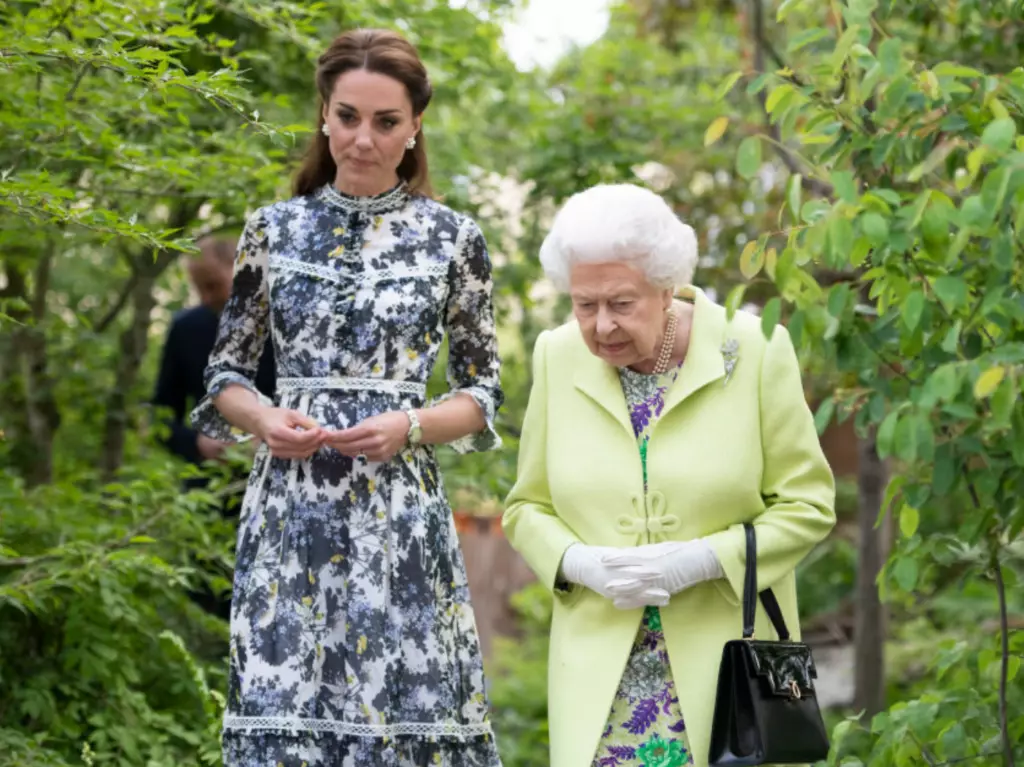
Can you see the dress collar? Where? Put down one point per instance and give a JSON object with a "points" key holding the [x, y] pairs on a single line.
{"points": [[388, 201]]}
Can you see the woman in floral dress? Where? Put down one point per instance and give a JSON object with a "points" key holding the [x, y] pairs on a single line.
{"points": [[657, 426], [352, 637]]}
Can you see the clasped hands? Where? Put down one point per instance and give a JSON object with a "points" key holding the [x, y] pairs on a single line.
{"points": [[643, 576], [291, 434]]}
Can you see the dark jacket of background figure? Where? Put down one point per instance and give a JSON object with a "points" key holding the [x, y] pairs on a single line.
{"points": [[180, 384]]}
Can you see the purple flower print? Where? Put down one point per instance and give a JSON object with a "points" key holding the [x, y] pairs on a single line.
{"points": [[644, 715]]}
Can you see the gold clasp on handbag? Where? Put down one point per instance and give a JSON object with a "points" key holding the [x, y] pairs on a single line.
{"points": [[794, 689]]}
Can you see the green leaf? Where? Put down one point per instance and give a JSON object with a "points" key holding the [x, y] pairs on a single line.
{"points": [[748, 157], [890, 54], [952, 340], [935, 225], [786, 7], [770, 316], [727, 85], [752, 259], [999, 134], [953, 69], [891, 491], [715, 130], [988, 381], [843, 46], [840, 238], [905, 440], [795, 326], [807, 37], [814, 210], [944, 383], [823, 417], [838, 297], [860, 253], [875, 228], [952, 291], [794, 195], [943, 471], [925, 439], [776, 96], [885, 440], [1002, 404], [905, 571], [843, 183], [913, 308], [734, 300], [909, 520]]}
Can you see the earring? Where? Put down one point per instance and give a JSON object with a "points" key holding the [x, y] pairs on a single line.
{"points": [[325, 130], [411, 143]]}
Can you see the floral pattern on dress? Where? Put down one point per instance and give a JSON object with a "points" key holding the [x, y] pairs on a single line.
{"points": [[645, 727], [353, 641]]}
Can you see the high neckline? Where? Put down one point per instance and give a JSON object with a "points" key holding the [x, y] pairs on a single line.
{"points": [[385, 202]]}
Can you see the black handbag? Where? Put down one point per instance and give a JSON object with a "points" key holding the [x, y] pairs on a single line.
{"points": [[766, 711]]}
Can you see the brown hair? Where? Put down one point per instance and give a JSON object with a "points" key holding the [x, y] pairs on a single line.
{"points": [[383, 52], [220, 247]]}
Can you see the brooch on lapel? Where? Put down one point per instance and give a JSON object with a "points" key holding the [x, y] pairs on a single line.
{"points": [[730, 354]]}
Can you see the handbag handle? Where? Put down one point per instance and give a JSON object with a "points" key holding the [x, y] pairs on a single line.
{"points": [[768, 600]]}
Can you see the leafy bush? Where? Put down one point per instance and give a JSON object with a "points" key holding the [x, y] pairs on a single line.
{"points": [[518, 678], [105, 656]]}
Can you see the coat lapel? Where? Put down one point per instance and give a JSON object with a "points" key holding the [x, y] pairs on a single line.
{"points": [[704, 363], [600, 382]]}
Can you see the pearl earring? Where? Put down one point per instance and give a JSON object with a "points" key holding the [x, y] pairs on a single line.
{"points": [[411, 143], [325, 130]]}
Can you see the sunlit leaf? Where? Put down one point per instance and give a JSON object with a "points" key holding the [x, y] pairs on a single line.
{"points": [[715, 130], [988, 381]]}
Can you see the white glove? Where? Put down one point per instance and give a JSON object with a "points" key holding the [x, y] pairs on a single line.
{"points": [[678, 565], [627, 584]]}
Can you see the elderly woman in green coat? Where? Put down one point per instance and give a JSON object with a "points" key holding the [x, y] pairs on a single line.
{"points": [[656, 428]]}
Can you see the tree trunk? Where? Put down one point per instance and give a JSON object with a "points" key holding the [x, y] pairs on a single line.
{"points": [[133, 344], [146, 270], [27, 377], [871, 616]]}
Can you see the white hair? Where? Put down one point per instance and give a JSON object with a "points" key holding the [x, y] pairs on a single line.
{"points": [[620, 222]]}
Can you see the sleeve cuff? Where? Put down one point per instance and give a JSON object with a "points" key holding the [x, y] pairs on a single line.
{"points": [[483, 440], [207, 419], [729, 547]]}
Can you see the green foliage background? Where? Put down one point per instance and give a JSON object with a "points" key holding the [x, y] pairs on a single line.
{"points": [[855, 167]]}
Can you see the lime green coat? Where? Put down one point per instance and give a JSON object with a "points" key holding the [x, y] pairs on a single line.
{"points": [[727, 449]]}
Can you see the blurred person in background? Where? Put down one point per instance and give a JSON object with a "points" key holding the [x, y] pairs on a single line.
{"points": [[187, 350], [180, 385]]}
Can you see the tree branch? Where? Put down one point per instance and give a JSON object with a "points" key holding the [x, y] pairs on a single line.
{"points": [[78, 81], [1004, 724], [761, 44], [42, 285], [119, 304]]}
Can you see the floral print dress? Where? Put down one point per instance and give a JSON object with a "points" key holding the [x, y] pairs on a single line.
{"points": [[352, 637], [645, 727]]}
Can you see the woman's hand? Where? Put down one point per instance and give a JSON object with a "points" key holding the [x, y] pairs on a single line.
{"points": [[289, 433], [378, 438], [678, 565], [627, 585]]}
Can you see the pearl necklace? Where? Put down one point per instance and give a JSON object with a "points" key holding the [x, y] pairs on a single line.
{"points": [[668, 343]]}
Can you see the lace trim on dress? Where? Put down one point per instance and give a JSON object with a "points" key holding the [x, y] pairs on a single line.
{"points": [[331, 274], [352, 384], [381, 203]]}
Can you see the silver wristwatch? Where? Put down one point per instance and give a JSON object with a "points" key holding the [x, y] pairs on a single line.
{"points": [[415, 435]]}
